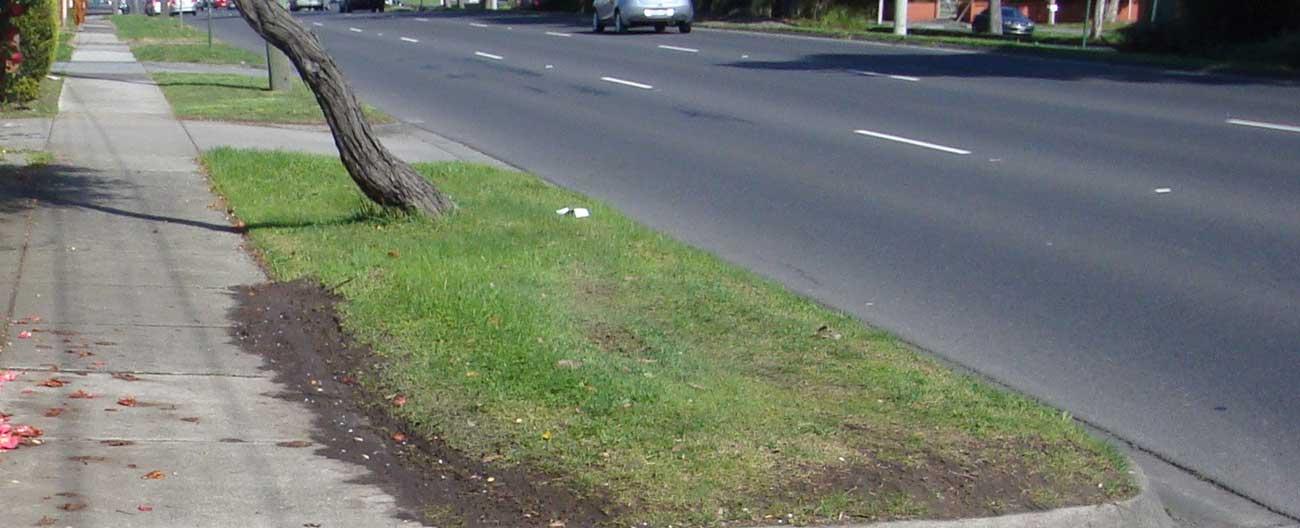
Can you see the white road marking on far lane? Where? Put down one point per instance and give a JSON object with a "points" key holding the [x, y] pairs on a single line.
{"points": [[627, 83], [675, 48], [354, 30], [488, 55], [421, 19], [476, 24], [914, 142], [558, 34], [895, 77], [1261, 124], [411, 40], [318, 24]]}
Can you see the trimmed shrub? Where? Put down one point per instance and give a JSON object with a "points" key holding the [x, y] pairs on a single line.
{"points": [[38, 29]]}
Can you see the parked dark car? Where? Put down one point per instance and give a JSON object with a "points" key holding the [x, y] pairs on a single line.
{"points": [[348, 6], [1013, 22]]}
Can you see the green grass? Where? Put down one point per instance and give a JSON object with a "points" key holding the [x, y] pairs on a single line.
{"points": [[632, 367], [136, 27], [161, 39], [46, 105], [226, 97], [219, 53], [64, 52]]}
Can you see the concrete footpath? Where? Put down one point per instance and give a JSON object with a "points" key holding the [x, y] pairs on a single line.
{"points": [[116, 275]]}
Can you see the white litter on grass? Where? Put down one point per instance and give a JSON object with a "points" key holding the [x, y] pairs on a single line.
{"points": [[52, 77], [578, 212], [1164, 190]]}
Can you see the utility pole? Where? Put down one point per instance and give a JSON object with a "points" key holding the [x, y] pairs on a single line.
{"points": [[880, 13], [900, 17], [209, 25], [1087, 12], [278, 71]]}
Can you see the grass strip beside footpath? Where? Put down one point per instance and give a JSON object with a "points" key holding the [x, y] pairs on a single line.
{"points": [[45, 105], [677, 387], [163, 39], [232, 97]]}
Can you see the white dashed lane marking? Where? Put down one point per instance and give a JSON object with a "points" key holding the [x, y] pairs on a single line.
{"points": [[941, 148], [676, 48], [627, 83], [488, 55], [476, 24], [411, 40], [354, 30], [895, 77], [1261, 124], [558, 34]]}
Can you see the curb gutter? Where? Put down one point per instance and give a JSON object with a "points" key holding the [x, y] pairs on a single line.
{"points": [[1143, 511]]}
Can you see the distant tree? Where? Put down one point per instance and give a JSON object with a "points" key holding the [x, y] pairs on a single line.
{"points": [[995, 17], [1098, 22]]}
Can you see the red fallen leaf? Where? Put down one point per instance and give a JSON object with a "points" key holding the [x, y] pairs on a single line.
{"points": [[399, 400], [81, 395], [126, 376], [126, 401], [24, 335], [98, 365], [27, 431], [46, 521], [73, 506], [154, 475], [399, 437], [53, 412], [117, 443], [53, 383], [144, 508]]}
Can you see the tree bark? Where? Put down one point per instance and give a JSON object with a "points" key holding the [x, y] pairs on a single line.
{"points": [[1098, 19], [1112, 11], [995, 17], [382, 177]]}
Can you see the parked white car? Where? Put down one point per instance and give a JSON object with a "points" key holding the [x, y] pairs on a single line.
{"points": [[315, 5], [155, 7]]}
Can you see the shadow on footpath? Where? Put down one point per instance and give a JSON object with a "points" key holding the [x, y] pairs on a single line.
{"points": [[70, 187]]}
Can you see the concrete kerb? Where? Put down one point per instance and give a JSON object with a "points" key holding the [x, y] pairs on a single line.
{"points": [[1142, 511]]}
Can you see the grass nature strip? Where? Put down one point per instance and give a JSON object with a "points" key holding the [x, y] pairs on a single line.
{"points": [[679, 387], [233, 97], [164, 39]]}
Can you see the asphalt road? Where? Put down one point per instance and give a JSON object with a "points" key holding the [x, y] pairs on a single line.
{"points": [[1120, 242]]}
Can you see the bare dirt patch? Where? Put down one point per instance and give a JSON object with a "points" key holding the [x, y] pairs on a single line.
{"points": [[294, 327]]}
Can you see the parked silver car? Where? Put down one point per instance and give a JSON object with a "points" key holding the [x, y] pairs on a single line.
{"points": [[630, 13]]}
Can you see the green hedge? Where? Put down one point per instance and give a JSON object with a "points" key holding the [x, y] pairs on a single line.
{"points": [[39, 29]]}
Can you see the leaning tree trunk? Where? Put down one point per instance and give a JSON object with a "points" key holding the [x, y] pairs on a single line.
{"points": [[382, 177]]}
